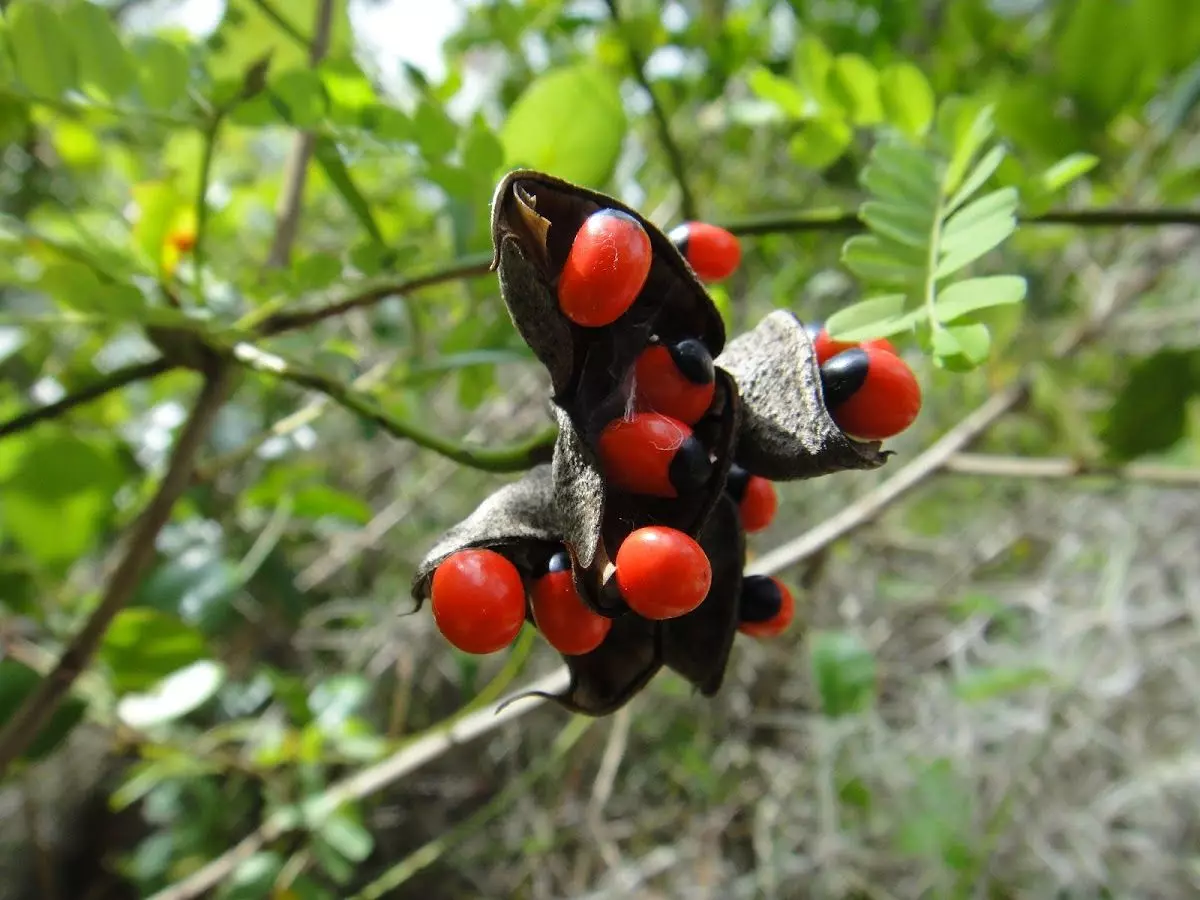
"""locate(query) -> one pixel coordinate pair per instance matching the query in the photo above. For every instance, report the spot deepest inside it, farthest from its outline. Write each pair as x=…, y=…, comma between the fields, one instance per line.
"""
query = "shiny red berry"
x=767, y=608
x=827, y=348
x=711, y=251
x=478, y=600
x=605, y=270
x=653, y=454
x=677, y=380
x=662, y=573
x=755, y=497
x=870, y=393
x=561, y=616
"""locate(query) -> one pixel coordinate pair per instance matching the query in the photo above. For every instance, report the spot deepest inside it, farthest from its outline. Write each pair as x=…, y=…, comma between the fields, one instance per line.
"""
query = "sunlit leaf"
x=964, y=297
x=163, y=70
x=983, y=170
x=854, y=83
x=105, y=66
x=173, y=697
x=41, y=48
x=569, y=121
x=144, y=645
x=970, y=244
x=1066, y=170
x=910, y=226
x=864, y=314
x=966, y=147
x=819, y=143
x=783, y=93
x=907, y=97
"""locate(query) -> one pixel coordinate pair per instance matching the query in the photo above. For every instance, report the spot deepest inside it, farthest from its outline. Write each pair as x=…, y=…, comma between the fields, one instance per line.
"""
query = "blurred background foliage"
x=994, y=691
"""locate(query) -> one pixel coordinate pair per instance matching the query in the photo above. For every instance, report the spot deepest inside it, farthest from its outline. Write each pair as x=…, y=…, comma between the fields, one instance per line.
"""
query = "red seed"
x=653, y=454
x=605, y=270
x=662, y=573
x=758, y=504
x=478, y=600
x=562, y=617
x=662, y=385
x=777, y=623
x=827, y=348
x=712, y=252
x=870, y=393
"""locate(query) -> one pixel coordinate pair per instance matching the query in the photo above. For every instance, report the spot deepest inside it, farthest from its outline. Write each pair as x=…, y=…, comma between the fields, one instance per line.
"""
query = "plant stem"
x=511, y=458
x=111, y=382
x=687, y=201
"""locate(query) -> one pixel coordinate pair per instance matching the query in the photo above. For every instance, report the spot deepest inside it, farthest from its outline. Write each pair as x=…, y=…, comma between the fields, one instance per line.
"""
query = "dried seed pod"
x=697, y=645
x=786, y=431
x=535, y=219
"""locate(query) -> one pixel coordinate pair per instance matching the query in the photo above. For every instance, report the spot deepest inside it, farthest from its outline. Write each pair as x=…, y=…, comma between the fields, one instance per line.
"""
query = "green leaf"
x=197, y=586
x=907, y=225
x=984, y=170
x=255, y=877
x=863, y=315
x=963, y=297
x=144, y=645
x=1098, y=31
x=936, y=826
x=779, y=91
x=247, y=33
x=58, y=495
x=907, y=98
x=347, y=836
x=302, y=94
x=965, y=147
x=316, y=271
x=811, y=65
x=881, y=261
x=318, y=501
x=173, y=697
x=163, y=69
x=17, y=682
x=854, y=83
x=75, y=286
x=819, y=143
x=988, y=683
x=903, y=175
x=105, y=66
x=999, y=204
x=961, y=348
x=1149, y=414
x=329, y=157
x=970, y=244
x=41, y=48
x=1066, y=170
x=569, y=121
x=844, y=672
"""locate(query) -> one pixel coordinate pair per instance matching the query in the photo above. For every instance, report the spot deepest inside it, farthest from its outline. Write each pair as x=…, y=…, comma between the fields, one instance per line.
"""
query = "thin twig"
x=828, y=220
x=42, y=703
x=870, y=505
x=999, y=466
x=106, y=385
x=471, y=267
x=516, y=457
x=687, y=202
x=287, y=215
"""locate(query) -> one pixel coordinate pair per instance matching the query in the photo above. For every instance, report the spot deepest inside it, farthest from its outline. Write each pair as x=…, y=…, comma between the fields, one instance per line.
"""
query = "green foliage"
x=844, y=672
x=261, y=658
x=569, y=121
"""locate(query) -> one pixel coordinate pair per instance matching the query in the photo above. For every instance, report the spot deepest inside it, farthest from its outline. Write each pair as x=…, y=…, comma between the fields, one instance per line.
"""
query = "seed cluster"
x=627, y=551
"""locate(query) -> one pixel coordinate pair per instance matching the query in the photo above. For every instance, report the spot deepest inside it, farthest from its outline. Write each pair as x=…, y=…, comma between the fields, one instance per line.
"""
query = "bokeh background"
x=991, y=691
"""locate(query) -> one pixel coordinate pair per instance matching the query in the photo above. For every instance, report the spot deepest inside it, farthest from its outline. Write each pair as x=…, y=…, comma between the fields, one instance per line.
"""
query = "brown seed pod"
x=786, y=432
x=535, y=218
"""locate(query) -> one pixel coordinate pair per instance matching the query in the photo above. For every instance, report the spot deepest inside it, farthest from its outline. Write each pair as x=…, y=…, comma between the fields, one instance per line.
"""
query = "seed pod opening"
x=786, y=431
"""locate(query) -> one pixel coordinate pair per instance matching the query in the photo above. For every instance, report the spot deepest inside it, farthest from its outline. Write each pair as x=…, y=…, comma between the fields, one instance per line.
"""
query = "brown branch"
x=111, y=382
x=830, y=221
x=287, y=214
x=472, y=267
x=687, y=201
x=999, y=466
x=42, y=703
